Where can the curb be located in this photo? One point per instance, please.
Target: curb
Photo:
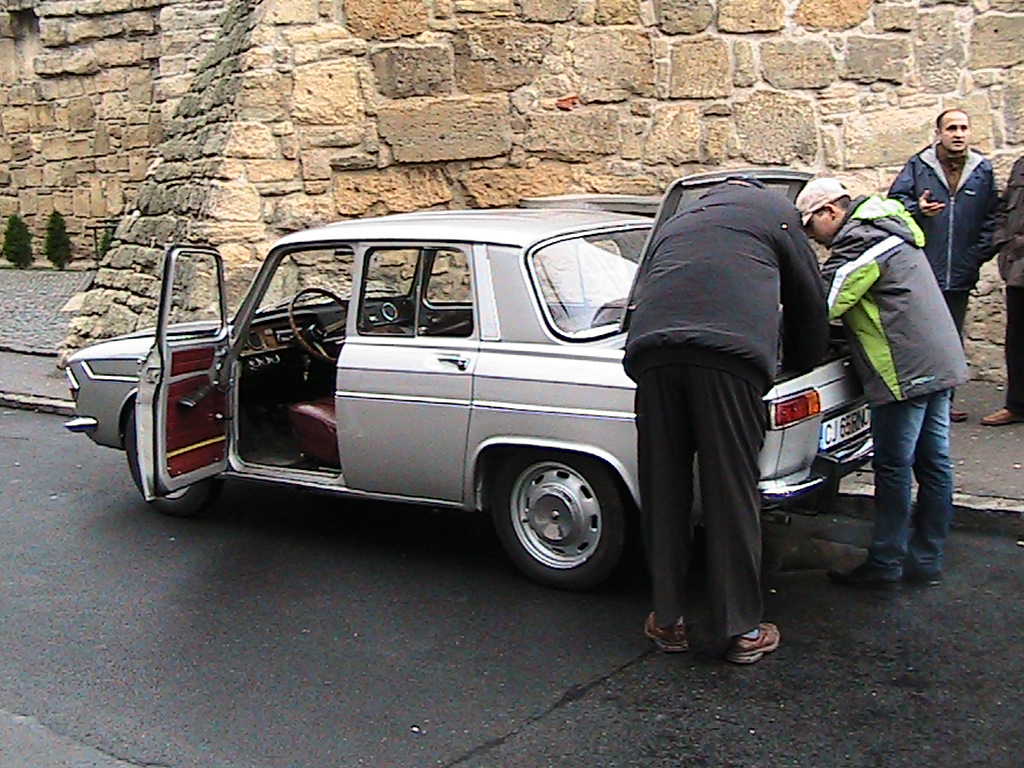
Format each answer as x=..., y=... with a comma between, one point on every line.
x=37, y=403
x=970, y=512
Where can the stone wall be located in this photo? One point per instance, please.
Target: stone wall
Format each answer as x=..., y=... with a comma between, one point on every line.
x=235, y=122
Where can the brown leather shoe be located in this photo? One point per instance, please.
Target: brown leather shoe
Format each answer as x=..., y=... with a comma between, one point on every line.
x=956, y=415
x=743, y=650
x=1001, y=418
x=670, y=639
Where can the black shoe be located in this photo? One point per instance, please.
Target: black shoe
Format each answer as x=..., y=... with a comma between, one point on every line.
x=922, y=578
x=866, y=576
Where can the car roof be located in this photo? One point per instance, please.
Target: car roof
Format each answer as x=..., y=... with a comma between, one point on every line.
x=500, y=226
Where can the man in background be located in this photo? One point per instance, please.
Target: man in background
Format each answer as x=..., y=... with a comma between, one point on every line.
x=908, y=356
x=1008, y=242
x=703, y=349
x=951, y=192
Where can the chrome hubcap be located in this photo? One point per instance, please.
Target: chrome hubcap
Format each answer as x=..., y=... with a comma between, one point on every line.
x=556, y=515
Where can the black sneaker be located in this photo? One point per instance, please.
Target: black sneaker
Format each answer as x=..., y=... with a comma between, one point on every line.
x=866, y=576
x=922, y=578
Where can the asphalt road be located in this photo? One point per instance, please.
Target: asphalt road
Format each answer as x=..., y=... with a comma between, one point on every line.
x=290, y=629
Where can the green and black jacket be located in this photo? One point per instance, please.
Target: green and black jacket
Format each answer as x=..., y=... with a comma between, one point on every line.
x=880, y=283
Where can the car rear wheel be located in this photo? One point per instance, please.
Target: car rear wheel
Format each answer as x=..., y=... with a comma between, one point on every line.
x=185, y=502
x=560, y=517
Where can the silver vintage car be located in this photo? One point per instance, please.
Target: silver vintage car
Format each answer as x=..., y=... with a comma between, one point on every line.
x=470, y=359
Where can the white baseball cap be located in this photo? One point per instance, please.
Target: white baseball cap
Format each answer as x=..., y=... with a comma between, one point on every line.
x=818, y=193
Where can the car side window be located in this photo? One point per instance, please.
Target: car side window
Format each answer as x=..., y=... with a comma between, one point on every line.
x=583, y=281
x=417, y=291
x=446, y=308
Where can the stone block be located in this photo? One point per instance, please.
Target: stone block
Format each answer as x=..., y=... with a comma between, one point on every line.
x=616, y=11
x=700, y=69
x=683, y=17
x=78, y=62
x=295, y=212
x=751, y=15
x=332, y=136
x=718, y=140
x=505, y=187
x=292, y=12
x=271, y=171
x=776, y=128
x=890, y=17
x=496, y=7
x=1013, y=109
x=997, y=40
x=940, y=51
x=744, y=71
x=887, y=137
x=117, y=53
x=613, y=64
x=16, y=120
x=427, y=130
x=373, y=19
x=390, y=191
x=675, y=135
x=264, y=96
x=792, y=64
x=63, y=148
x=499, y=57
x=549, y=10
x=575, y=136
x=327, y=93
x=413, y=70
x=315, y=164
x=832, y=14
x=233, y=201
x=250, y=139
x=870, y=59
x=81, y=114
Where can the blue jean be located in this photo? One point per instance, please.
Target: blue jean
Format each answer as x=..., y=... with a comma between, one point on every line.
x=911, y=441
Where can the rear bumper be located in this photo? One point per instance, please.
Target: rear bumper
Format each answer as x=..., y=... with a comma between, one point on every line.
x=822, y=483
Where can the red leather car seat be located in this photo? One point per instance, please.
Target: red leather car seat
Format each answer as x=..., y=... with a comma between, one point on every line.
x=317, y=430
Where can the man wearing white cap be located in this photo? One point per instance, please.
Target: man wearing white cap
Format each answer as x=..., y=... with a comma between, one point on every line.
x=908, y=355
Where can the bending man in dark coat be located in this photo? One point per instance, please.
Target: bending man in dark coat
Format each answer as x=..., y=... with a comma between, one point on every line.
x=703, y=349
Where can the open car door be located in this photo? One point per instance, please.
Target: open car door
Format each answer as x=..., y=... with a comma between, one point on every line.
x=181, y=410
x=685, y=190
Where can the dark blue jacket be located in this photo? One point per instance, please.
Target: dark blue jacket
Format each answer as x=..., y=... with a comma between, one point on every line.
x=958, y=240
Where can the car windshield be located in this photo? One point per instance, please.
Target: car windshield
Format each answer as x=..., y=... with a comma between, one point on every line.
x=583, y=281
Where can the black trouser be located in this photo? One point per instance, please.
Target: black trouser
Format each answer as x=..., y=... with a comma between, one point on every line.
x=1014, y=350
x=957, y=303
x=682, y=410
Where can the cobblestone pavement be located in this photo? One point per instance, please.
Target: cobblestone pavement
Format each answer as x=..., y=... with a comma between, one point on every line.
x=34, y=305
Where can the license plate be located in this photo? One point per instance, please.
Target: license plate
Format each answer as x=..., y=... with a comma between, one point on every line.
x=841, y=428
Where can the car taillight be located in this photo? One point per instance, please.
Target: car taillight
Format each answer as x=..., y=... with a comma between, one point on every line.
x=796, y=408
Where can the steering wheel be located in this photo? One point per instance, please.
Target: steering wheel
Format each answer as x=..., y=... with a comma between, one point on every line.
x=312, y=338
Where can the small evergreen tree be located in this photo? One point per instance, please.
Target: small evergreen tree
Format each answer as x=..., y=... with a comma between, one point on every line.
x=17, y=242
x=58, y=245
x=105, y=242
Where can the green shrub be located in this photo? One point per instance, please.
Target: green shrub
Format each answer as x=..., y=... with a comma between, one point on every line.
x=58, y=245
x=105, y=242
x=17, y=242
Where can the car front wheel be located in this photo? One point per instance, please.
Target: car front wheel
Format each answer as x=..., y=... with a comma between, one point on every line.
x=560, y=517
x=185, y=502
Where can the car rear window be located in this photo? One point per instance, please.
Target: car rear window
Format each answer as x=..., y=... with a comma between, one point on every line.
x=583, y=281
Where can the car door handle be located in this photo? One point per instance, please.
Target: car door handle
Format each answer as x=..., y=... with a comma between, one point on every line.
x=193, y=399
x=459, y=362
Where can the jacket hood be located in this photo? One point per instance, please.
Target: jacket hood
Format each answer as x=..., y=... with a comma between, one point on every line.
x=886, y=217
